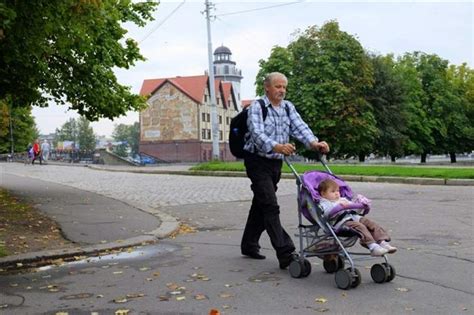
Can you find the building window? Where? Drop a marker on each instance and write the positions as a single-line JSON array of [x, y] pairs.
[[208, 133], [227, 120], [220, 119], [220, 134], [203, 133], [203, 116], [208, 117], [205, 98], [226, 69]]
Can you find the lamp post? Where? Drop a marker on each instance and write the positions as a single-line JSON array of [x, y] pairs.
[[214, 122]]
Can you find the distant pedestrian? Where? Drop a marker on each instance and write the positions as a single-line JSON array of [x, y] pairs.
[[37, 153], [45, 149], [29, 154]]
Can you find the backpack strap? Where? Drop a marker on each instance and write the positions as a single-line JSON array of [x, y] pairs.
[[264, 108]]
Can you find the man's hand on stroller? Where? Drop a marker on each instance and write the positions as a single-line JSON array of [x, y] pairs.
[[286, 149], [320, 146]]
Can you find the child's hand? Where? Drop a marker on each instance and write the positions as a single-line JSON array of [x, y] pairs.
[[344, 203]]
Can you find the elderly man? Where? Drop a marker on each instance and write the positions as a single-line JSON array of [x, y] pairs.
[[267, 144]]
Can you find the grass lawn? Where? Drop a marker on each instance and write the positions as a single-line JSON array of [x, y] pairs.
[[445, 172]]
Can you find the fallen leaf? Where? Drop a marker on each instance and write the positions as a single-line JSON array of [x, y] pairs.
[[403, 289], [120, 300], [180, 298], [122, 312], [226, 295], [200, 297], [118, 272], [320, 300]]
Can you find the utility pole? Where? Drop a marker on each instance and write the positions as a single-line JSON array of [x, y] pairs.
[[214, 121]]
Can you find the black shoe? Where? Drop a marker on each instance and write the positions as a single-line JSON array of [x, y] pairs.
[[254, 255], [285, 262]]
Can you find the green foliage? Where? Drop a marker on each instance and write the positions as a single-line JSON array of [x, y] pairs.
[[85, 135], [388, 100], [23, 128], [328, 73], [129, 134], [459, 114], [79, 131], [65, 51]]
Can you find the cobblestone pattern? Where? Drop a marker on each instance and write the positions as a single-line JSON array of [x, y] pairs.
[[149, 190]]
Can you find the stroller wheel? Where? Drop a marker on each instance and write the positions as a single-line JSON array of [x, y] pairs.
[[379, 273], [333, 265], [343, 279], [392, 271], [296, 269], [356, 277], [306, 268]]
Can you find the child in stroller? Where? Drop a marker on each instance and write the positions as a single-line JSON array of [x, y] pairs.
[[328, 237], [351, 214]]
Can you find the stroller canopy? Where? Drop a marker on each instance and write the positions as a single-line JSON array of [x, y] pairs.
[[312, 179]]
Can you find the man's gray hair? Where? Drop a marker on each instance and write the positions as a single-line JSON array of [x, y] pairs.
[[269, 77]]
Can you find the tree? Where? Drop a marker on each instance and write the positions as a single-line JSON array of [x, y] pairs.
[[459, 115], [77, 131], [23, 128], [85, 135], [387, 97], [129, 135], [418, 123], [328, 75], [71, 50]]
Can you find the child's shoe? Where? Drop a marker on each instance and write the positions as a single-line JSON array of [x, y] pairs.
[[378, 250], [391, 249]]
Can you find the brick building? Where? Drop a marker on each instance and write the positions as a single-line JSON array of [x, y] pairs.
[[176, 125]]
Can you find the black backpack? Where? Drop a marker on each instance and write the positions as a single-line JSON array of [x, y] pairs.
[[238, 129]]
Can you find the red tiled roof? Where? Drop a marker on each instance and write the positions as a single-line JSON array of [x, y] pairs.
[[193, 86], [226, 93]]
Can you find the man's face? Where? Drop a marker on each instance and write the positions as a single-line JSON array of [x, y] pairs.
[[276, 90]]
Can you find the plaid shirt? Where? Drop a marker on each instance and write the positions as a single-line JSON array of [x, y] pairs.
[[277, 128]]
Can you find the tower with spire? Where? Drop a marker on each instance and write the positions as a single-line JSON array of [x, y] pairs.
[[225, 70]]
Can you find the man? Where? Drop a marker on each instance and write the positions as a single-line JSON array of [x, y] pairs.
[[267, 144], [45, 147], [37, 152]]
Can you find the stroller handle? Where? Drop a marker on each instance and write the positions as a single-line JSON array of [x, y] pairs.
[[322, 159]]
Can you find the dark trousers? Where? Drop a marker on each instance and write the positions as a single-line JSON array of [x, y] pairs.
[[264, 213], [37, 156]]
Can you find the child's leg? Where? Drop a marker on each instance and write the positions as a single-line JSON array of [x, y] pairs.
[[377, 232], [364, 234]]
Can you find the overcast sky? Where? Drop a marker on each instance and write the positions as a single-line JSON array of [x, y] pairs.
[[176, 44]]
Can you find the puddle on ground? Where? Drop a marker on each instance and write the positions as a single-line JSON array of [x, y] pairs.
[[142, 252]]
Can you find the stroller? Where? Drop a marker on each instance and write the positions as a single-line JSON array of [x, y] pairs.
[[321, 240]]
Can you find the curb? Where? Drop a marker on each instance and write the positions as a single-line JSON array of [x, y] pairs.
[[352, 178], [168, 226]]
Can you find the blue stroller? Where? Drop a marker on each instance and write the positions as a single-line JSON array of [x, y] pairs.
[[321, 240]]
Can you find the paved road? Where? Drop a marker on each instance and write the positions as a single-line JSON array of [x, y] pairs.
[[190, 274]]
